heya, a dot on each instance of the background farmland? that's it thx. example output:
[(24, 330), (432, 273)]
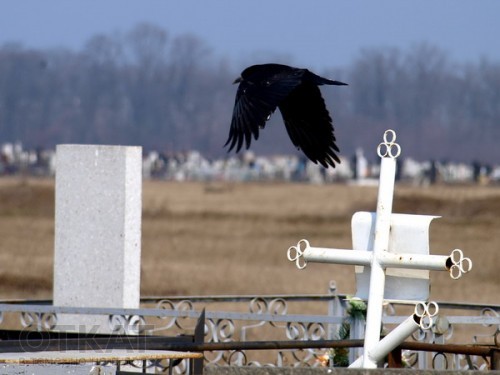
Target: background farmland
[(222, 238)]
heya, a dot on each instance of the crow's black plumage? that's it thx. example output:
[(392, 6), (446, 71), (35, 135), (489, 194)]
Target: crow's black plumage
[(263, 88)]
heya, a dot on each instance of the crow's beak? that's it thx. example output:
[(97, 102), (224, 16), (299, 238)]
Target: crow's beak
[(237, 80)]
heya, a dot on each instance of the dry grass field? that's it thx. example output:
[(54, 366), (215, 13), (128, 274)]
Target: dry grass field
[(221, 238)]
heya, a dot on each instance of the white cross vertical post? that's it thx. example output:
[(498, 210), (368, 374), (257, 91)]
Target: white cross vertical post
[(388, 152)]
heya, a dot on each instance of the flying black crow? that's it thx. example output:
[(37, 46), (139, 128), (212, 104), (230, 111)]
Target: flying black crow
[(296, 93)]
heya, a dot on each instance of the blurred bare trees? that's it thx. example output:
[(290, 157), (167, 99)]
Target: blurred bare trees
[(170, 93), (442, 109), (141, 88)]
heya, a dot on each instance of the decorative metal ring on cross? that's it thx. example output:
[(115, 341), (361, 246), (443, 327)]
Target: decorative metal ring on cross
[(460, 264), (389, 148), (426, 313), (296, 254)]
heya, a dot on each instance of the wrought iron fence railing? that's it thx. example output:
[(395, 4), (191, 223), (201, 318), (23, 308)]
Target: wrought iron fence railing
[(329, 316)]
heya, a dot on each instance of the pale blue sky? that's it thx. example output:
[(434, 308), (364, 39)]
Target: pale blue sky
[(313, 34)]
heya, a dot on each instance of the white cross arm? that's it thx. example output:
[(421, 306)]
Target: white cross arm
[(303, 253), (455, 263), (414, 261)]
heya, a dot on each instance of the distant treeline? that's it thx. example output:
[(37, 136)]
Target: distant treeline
[(169, 93)]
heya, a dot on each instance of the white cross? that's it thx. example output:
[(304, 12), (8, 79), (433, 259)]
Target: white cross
[(382, 257)]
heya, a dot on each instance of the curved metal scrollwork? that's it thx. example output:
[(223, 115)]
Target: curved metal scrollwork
[(295, 331), (258, 305), (493, 334), (38, 321), (237, 358), (303, 357), (224, 329), (301, 331), (127, 324), (165, 304), (181, 322), (316, 331), (467, 362), (28, 319), (442, 359), (275, 306), (162, 366), (278, 306), (409, 357)]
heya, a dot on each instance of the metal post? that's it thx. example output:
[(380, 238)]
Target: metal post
[(495, 359), (356, 332), (380, 245), (334, 309), (394, 359), (196, 365)]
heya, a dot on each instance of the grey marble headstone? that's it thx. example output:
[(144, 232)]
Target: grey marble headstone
[(97, 230)]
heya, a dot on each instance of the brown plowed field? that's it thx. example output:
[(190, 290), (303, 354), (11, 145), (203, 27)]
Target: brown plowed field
[(222, 238)]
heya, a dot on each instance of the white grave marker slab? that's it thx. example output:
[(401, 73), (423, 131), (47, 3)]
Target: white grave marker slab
[(97, 229), (409, 235)]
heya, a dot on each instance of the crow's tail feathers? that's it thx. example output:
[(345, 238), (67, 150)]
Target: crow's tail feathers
[(318, 80)]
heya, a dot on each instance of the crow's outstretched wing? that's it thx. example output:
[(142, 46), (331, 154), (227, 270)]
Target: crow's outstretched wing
[(309, 124), (256, 100), (295, 92)]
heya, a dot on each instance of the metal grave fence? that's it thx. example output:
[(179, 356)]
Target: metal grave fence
[(240, 319)]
